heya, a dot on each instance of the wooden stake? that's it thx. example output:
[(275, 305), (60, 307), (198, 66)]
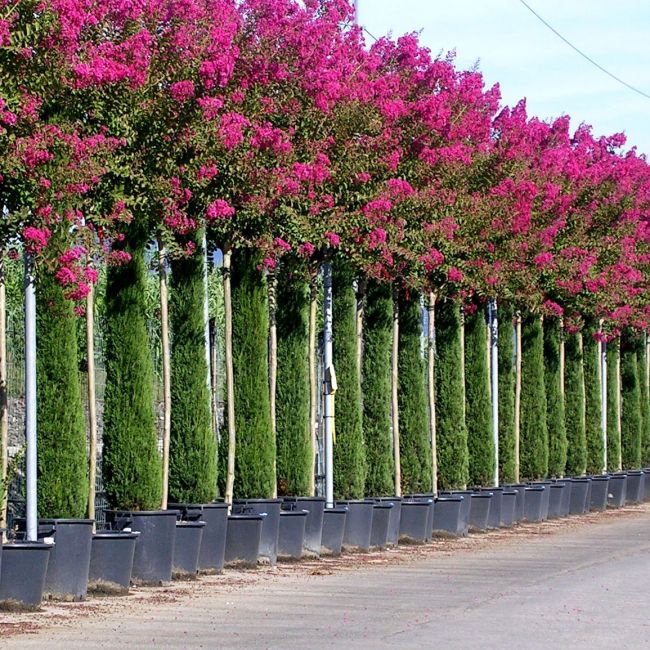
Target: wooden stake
[(517, 397), (167, 397), (313, 387), (394, 400), (92, 405), (431, 367), (230, 381)]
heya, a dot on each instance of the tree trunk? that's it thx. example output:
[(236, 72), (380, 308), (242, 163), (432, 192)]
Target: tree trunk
[(394, 397), (431, 372), (4, 419), (619, 408), (230, 384), (92, 406), (361, 304), (273, 364), (167, 399), (214, 393), (313, 385), (517, 397)]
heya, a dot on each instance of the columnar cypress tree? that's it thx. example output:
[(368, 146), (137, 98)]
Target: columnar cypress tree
[(376, 389), (453, 462), (506, 394), (62, 458), (645, 401), (131, 466), (593, 407), (534, 433), (613, 407), (478, 411), (349, 451), (255, 451), (415, 448), (630, 402), (574, 404), (557, 438), (192, 449), (294, 462)]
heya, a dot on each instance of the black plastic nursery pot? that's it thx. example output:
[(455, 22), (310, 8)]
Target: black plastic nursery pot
[(291, 536), (494, 516), (358, 525), (449, 516), (22, 580), (243, 536), (429, 498), (646, 484), (534, 503), (154, 550), (598, 494), (185, 563), (111, 562), (213, 540), (270, 525), (69, 563), (333, 530), (520, 489), (380, 524), (546, 496), (314, 523), (555, 495), (579, 495), (565, 502), (616, 490), (479, 512), (394, 518), (635, 486), (508, 502), (414, 524)]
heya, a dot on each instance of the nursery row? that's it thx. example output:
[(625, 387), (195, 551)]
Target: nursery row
[(152, 548)]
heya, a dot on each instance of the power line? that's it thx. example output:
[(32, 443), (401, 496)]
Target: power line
[(582, 54)]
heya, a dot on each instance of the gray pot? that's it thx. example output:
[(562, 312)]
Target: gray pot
[(546, 496), (534, 503), (111, 562), (189, 535), (646, 484), (270, 525), (616, 490), (508, 502), (24, 565), (479, 513), (565, 504), (579, 495), (291, 537), (520, 500), (414, 523), (380, 524), (429, 498), (154, 550), (494, 517), (555, 496), (243, 540), (333, 530), (635, 486), (358, 525), (448, 516), (599, 491), (394, 518), (69, 563), (314, 523)]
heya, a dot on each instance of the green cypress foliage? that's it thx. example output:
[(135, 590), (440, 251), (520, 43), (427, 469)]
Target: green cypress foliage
[(593, 407), (645, 403), (613, 406), (255, 450), (349, 450), (574, 396), (192, 448), (630, 402), (506, 394), (62, 457), (557, 438), (534, 434), (415, 448), (478, 412), (453, 462), (131, 465), (376, 388), (294, 462)]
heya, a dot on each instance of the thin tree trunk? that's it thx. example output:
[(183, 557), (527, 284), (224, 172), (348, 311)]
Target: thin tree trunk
[(273, 364), (4, 419), (167, 398), (462, 367), (313, 386), (517, 397), (431, 367), (92, 405), (230, 382), (361, 304), (214, 393), (394, 401), (619, 426), (562, 357)]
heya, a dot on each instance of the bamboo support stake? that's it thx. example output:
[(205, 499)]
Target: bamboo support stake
[(313, 387), (517, 396), (431, 368), (619, 409), (360, 312), (92, 405), (167, 399), (230, 382), (394, 400)]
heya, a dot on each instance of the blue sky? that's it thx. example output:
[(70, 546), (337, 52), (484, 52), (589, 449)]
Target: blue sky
[(513, 48)]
